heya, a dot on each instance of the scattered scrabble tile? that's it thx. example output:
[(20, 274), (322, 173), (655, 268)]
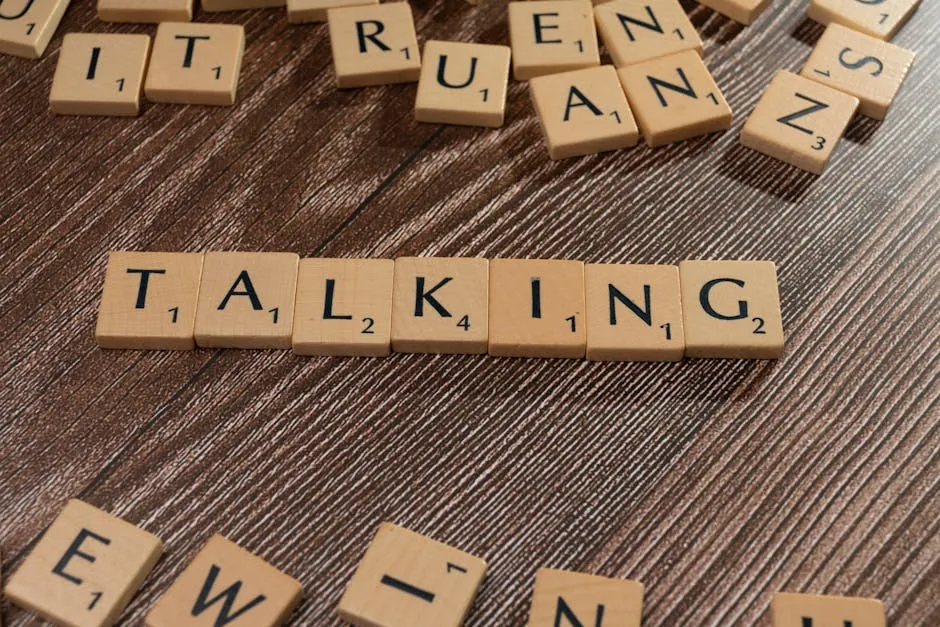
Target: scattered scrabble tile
[(374, 45), (145, 11), (246, 300), (860, 65), (27, 27), (674, 98), (811, 610), (536, 308), (440, 305), (226, 585), (878, 18), (343, 307), (463, 84), (634, 32), (741, 11), (99, 74), (195, 63), (583, 112), (799, 121), (568, 598), (634, 312), (149, 300), (239, 5), (303, 11), (731, 309), (407, 580), (550, 36), (85, 568)]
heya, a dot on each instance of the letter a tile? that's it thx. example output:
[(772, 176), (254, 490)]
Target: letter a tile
[(551, 36), (639, 31), (246, 300), (731, 309), (374, 45), (195, 63), (799, 121), (811, 610), (878, 18), (227, 585), (407, 580), (85, 568), (149, 301), (99, 74), (568, 598), (27, 26)]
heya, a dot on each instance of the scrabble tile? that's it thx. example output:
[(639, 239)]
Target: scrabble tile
[(634, 312), (344, 307), (568, 598), (149, 301), (99, 74), (868, 68), (878, 18), (799, 121), (811, 610), (583, 112), (85, 568), (741, 11), (674, 98), (226, 585), (407, 580), (731, 309), (638, 31), (536, 308), (27, 27), (463, 84), (145, 11), (213, 6), (246, 300), (195, 63), (440, 305), (551, 36), (374, 45), (303, 11)]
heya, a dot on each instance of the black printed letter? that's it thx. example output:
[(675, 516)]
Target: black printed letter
[(421, 296), (229, 594), (190, 47), (646, 315), (74, 551), (707, 306), (441, 68), (373, 37), (142, 286), (249, 292)]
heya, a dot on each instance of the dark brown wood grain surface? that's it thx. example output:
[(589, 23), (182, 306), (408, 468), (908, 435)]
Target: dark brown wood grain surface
[(714, 483)]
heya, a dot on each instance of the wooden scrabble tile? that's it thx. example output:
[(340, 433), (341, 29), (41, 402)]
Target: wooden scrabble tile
[(406, 579), (344, 307), (799, 121), (568, 598), (637, 31), (27, 27), (731, 309), (860, 65), (145, 11), (811, 610), (246, 300), (583, 112), (85, 568), (878, 18), (226, 585), (551, 36), (463, 84), (674, 98), (303, 11), (99, 74), (149, 301), (374, 45), (741, 11), (634, 312), (536, 308), (440, 305), (195, 63), (239, 5)]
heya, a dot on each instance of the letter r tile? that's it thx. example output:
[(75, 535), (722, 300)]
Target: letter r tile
[(85, 568), (374, 45), (408, 580), (226, 585), (569, 598)]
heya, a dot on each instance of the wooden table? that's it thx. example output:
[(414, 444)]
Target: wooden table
[(713, 482)]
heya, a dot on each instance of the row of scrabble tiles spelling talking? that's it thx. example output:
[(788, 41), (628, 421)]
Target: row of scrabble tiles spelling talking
[(506, 307), (87, 566)]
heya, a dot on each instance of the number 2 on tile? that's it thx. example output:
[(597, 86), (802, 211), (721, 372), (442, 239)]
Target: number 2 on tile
[(759, 330), (369, 324)]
